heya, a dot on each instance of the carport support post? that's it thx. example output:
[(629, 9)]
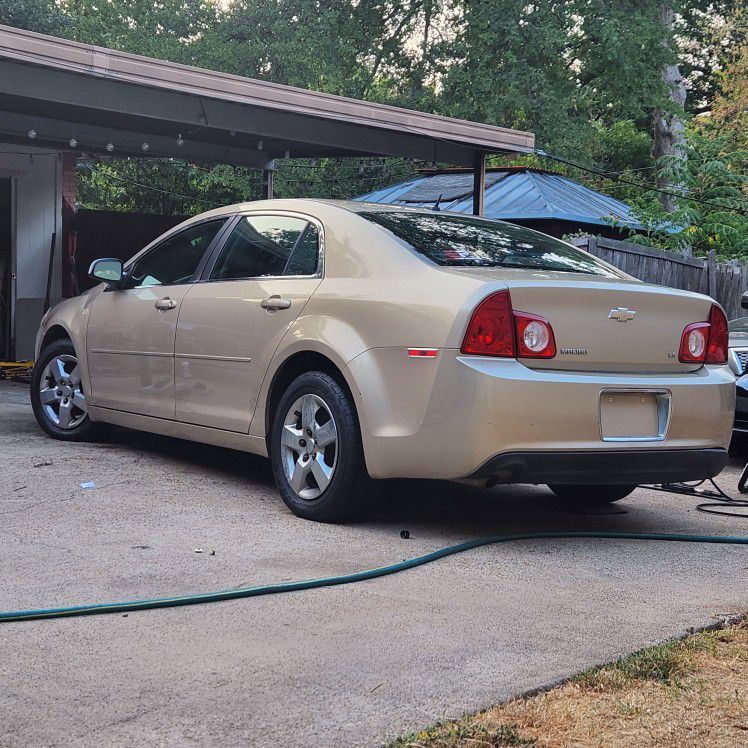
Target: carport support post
[(479, 183), (267, 184)]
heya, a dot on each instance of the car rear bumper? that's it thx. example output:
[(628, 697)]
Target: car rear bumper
[(446, 418), (603, 468)]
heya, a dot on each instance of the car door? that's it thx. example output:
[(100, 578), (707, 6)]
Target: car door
[(232, 321), (131, 329)]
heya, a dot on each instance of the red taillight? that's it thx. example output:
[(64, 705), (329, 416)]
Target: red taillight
[(705, 342), (496, 330), (693, 343), (534, 336), (491, 330), (716, 349)]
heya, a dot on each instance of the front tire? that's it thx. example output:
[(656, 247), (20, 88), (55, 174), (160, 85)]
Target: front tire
[(581, 495), (57, 396), (316, 451)]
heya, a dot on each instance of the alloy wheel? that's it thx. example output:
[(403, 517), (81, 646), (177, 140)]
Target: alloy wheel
[(309, 446), (60, 393)]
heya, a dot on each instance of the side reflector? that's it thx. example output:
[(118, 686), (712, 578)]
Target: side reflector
[(423, 352)]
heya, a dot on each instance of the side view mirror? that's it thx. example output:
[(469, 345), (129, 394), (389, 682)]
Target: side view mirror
[(107, 269), (744, 300)]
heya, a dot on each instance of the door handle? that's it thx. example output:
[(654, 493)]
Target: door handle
[(273, 303), (164, 304)]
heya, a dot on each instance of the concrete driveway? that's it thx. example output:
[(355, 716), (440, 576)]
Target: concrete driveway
[(350, 665)]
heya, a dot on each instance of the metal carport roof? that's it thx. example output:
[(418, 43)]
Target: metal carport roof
[(63, 90), (513, 193)]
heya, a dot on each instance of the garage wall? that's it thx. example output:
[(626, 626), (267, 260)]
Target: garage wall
[(37, 200)]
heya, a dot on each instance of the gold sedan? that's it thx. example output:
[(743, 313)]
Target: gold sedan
[(352, 342)]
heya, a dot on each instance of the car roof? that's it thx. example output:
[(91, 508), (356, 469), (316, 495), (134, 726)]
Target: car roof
[(308, 204)]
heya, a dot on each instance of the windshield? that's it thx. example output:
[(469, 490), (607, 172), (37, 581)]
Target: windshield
[(464, 241)]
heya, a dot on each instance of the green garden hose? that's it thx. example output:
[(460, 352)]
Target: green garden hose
[(359, 576)]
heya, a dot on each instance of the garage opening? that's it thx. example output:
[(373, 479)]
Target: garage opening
[(5, 268)]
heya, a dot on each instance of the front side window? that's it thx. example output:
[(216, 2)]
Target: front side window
[(268, 246), (463, 241), (176, 259)]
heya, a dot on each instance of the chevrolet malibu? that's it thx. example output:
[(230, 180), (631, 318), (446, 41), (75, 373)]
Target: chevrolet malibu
[(352, 343)]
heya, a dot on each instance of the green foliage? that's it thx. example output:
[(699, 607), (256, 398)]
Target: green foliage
[(621, 47), (176, 188), (715, 172), (621, 146), (512, 68), (167, 29), (43, 16), (164, 186), (584, 75)]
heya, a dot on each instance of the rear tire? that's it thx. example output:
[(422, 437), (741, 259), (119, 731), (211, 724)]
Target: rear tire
[(57, 395), (316, 451), (581, 495)]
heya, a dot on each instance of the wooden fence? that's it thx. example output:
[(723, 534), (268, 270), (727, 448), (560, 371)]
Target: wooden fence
[(726, 282)]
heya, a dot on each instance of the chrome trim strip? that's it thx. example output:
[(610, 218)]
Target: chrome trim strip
[(241, 359), (132, 353)]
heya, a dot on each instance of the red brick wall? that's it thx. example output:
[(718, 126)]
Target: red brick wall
[(69, 190), (69, 178)]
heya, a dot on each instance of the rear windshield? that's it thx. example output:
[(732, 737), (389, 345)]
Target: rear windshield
[(464, 241)]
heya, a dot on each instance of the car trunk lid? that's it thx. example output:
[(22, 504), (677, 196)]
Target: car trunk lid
[(602, 323), (611, 326)]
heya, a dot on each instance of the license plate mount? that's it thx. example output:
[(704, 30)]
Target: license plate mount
[(634, 415)]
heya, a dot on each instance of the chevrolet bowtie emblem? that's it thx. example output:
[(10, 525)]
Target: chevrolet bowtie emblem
[(622, 314)]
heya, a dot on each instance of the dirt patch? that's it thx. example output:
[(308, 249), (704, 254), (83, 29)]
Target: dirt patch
[(692, 692)]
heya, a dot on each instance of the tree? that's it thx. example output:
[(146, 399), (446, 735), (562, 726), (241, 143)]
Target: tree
[(714, 215), (729, 112), (166, 29), (511, 65), (43, 16), (669, 128)]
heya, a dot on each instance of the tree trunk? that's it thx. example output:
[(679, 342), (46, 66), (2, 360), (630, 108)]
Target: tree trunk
[(669, 130)]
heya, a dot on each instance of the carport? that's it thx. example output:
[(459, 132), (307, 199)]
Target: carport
[(58, 96)]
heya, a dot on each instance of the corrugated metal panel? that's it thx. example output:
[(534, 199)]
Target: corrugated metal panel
[(512, 195)]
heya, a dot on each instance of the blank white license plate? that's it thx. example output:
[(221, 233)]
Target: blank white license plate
[(629, 415)]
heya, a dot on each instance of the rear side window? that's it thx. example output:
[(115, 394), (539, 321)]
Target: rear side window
[(268, 246), (464, 241)]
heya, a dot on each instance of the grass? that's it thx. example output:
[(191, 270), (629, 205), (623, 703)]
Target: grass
[(689, 692)]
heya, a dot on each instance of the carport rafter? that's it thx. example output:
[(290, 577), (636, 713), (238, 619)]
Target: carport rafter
[(89, 137)]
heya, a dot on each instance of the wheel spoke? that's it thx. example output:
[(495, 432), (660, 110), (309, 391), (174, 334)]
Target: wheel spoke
[(290, 437), (321, 472), (65, 415), (47, 395), (79, 400), (75, 376), (308, 411), (326, 434), (298, 477), (57, 367)]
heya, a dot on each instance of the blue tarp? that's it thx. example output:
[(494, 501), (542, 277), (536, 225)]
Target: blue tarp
[(514, 194)]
